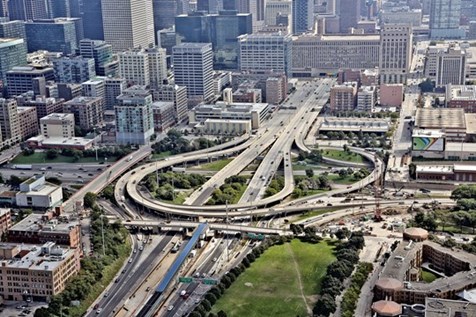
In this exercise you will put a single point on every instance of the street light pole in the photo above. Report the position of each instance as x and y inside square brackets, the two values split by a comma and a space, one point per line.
[102, 233]
[227, 255]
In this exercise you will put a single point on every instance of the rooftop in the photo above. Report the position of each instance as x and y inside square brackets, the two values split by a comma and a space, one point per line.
[470, 122]
[435, 169]
[440, 118]
[59, 116]
[436, 307]
[57, 141]
[36, 222]
[34, 258]
[461, 92]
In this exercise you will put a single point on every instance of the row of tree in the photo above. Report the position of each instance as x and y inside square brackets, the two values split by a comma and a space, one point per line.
[103, 152]
[216, 292]
[275, 186]
[175, 143]
[92, 267]
[347, 256]
[310, 182]
[170, 181]
[351, 295]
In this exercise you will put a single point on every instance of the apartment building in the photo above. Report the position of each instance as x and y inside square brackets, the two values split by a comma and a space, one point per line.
[73, 69]
[163, 115]
[177, 94]
[5, 220]
[343, 97]
[35, 273]
[59, 125]
[9, 123]
[446, 64]
[44, 106]
[460, 96]
[88, 111]
[28, 122]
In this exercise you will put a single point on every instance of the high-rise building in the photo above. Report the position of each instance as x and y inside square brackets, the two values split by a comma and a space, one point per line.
[134, 122]
[113, 88]
[168, 39]
[75, 69]
[104, 61]
[23, 79]
[256, 8]
[275, 8]
[210, 6]
[58, 35]
[366, 98]
[349, 14]
[9, 125]
[445, 19]
[90, 11]
[396, 47]
[303, 15]
[176, 94]
[157, 65]
[266, 52]
[59, 9]
[446, 64]
[28, 10]
[13, 29]
[12, 53]
[193, 68]
[128, 23]
[88, 111]
[164, 14]
[220, 29]
[134, 67]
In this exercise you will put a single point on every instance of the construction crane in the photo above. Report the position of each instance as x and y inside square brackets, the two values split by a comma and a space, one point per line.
[378, 192]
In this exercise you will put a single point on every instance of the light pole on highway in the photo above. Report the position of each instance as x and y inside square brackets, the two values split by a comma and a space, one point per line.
[226, 210]
[102, 233]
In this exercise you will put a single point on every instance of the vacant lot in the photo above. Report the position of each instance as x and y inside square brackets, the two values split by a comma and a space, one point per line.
[282, 282]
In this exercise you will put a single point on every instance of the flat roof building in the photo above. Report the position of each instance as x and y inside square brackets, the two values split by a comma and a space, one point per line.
[88, 111]
[57, 125]
[461, 96]
[44, 270]
[35, 192]
[450, 121]
[256, 113]
[12, 54]
[28, 122]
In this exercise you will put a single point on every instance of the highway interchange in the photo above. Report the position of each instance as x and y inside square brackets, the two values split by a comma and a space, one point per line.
[274, 142]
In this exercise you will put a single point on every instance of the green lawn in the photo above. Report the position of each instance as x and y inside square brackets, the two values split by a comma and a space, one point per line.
[427, 276]
[40, 158]
[214, 166]
[335, 178]
[343, 156]
[180, 198]
[270, 287]
[313, 213]
[161, 155]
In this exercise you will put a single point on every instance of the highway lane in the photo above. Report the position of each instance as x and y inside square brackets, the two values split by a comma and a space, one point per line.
[134, 275]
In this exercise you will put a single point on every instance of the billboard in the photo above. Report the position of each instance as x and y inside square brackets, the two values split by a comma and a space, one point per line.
[425, 143]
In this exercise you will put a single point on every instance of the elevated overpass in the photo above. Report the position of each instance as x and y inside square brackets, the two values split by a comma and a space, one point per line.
[212, 225]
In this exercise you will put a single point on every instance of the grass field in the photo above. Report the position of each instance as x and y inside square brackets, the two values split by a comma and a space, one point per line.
[214, 166]
[272, 286]
[40, 158]
[427, 276]
[343, 156]
[161, 155]
[335, 178]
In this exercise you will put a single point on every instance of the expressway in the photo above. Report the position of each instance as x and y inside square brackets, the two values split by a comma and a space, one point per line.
[133, 273]
[135, 176]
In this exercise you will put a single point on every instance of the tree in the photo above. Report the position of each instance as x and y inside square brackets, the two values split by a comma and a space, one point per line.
[342, 233]
[54, 180]
[309, 172]
[51, 154]
[221, 313]
[42, 312]
[325, 306]
[15, 181]
[206, 305]
[89, 200]
[419, 218]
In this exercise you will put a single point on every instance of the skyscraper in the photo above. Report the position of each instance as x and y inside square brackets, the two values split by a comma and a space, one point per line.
[222, 30]
[445, 19]
[210, 6]
[104, 62]
[13, 29]
[256, 8]
[128, 23]
[349, 14]
[275, 8]
[134, 124]
[395, 53]
[266, 52]
[193, 68]
[144, 66]
[303, 15]
[164, 14]
[91, 14]
[28, 10]
[57, 35]
[12, 53]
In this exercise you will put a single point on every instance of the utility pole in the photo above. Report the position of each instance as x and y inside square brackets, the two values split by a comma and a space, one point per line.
[227, 255]
[102, 233]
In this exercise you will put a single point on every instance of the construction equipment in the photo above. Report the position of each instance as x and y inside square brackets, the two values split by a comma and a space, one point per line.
[378, 192]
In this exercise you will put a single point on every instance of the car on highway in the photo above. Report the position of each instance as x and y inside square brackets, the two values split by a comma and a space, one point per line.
[147, 289]
[170, 308]
[99, 311]
[106, 294]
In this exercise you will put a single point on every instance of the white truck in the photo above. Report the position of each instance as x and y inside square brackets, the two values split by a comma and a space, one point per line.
[22, 167]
